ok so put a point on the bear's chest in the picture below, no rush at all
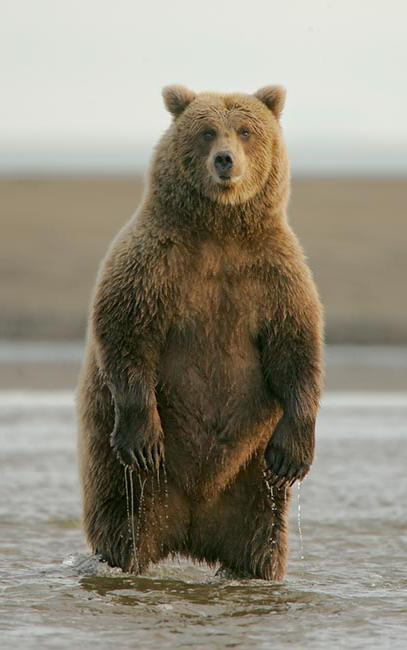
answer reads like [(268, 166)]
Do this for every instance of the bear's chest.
[(221, 289)]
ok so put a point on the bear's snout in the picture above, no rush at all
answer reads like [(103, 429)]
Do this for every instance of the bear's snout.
[(223, 163)]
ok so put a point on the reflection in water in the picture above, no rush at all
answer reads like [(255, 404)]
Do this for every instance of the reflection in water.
[(348, 591), (171, 592)]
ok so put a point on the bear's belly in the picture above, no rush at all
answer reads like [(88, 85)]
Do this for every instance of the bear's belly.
[(213, 402)]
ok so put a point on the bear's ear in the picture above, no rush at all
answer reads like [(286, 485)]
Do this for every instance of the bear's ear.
[(273, 97), (177, 98)]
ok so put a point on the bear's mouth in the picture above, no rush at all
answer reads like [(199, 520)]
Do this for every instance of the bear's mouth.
[(225, 180)]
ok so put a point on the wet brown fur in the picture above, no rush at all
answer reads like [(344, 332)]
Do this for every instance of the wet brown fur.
[(204, 344)]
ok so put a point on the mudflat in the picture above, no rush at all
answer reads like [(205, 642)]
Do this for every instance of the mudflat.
[(54, 232)]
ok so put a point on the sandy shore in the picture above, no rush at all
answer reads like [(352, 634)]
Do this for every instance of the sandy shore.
[(55, 231)]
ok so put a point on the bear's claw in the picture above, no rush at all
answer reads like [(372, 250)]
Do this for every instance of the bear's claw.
[(282, 471), (146, 456)]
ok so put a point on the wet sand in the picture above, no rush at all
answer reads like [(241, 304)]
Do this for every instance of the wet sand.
[(55, 231)]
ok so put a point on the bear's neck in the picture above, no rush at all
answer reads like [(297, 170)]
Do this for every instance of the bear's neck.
[(172, 203)]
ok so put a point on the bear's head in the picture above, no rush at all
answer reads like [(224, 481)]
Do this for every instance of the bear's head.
[(225, 147)]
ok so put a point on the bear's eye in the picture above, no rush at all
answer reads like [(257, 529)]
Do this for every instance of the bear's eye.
[(244, 133), (208, 135)]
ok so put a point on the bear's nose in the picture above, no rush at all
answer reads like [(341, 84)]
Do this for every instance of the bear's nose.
[(223, 162)]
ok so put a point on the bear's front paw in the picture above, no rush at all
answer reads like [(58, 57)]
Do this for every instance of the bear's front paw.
[(289, 455), (283, 469), (139, 452), (138, 445)]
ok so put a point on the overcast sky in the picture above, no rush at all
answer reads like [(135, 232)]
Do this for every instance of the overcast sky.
[(81, 79)]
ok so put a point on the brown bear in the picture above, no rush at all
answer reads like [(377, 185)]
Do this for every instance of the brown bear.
[(200, 387)]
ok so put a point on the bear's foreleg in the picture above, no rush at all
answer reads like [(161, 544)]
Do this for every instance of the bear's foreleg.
[(291, 353)]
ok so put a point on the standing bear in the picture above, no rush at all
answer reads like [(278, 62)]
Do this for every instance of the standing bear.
[(201, 381)]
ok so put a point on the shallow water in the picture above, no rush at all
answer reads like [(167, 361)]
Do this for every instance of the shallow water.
[(350, 590)]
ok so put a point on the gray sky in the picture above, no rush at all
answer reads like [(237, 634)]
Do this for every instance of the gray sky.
[(81, 79)]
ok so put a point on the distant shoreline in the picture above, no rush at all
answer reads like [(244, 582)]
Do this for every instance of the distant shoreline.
[(55, 232)]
